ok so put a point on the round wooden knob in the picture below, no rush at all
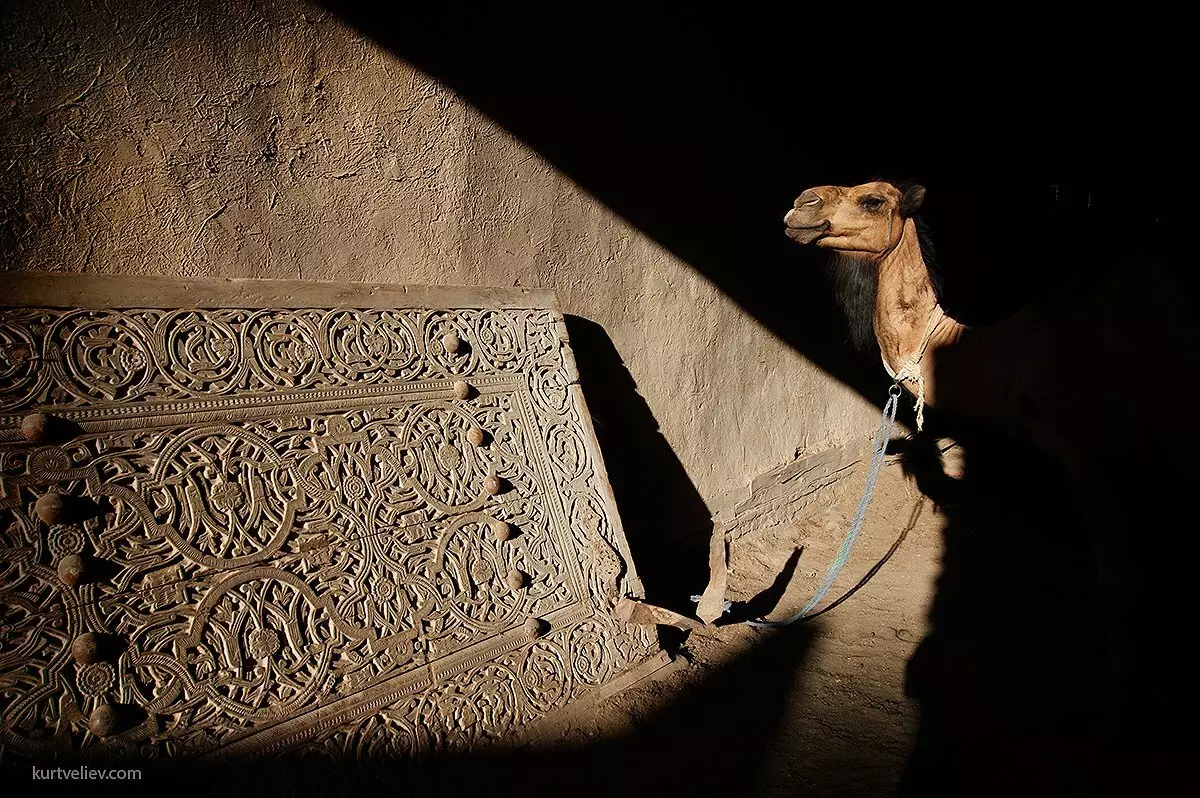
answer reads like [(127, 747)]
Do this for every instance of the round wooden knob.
[(451, 343), (85, 648), (52, 508), (516, 579), (493, 484), (103, 720), (501, 530), (476, 436), (461, 389), (71, 569), (36, 427), (534, 628)]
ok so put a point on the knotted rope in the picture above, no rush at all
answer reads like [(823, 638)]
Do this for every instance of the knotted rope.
[(910, 369)]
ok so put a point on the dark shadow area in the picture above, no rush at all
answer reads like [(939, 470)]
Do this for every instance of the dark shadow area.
[(920, 459), (709, 742), (1010, 679), (1053, 665), (666, 522)]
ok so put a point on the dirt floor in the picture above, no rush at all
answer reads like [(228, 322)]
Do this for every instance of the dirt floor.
[(822, 709)]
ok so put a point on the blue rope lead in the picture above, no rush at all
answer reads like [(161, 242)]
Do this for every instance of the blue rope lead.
[(882, 436)]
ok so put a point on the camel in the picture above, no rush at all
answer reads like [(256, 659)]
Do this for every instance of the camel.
[(889, 293), (1099, 378), (1036, 373)]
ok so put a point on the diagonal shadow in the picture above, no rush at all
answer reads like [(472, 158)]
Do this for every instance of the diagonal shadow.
[(700, 127), (666, 521)]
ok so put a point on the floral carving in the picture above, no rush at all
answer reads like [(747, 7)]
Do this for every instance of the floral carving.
[(96, 679)]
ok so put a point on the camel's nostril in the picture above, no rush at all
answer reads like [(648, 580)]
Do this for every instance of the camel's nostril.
[(809, 199)]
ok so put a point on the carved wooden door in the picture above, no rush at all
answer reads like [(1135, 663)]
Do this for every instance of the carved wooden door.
[(260, 517)]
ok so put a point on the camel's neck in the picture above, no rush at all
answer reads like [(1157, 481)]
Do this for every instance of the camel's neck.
[(906, 306)]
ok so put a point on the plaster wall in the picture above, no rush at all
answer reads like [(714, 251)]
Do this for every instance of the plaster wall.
[(268, 139)]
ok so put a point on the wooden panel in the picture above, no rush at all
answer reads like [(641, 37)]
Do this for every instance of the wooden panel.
[(336, 527)]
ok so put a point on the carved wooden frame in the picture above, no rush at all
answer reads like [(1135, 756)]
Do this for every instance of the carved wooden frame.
[(327, 518)]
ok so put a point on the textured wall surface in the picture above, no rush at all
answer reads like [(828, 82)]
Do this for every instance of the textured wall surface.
[(268, 139)]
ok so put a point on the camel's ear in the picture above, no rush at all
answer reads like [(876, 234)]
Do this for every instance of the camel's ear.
[(910, 203)]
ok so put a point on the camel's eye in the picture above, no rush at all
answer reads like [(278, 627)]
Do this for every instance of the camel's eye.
[(871, 203)]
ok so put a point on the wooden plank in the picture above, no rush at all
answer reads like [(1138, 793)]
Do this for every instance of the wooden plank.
[(53, 290)]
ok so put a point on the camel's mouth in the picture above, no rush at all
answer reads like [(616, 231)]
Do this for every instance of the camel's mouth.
[(806, 234)]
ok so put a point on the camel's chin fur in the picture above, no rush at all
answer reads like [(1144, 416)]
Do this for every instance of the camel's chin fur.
[(855, 279)]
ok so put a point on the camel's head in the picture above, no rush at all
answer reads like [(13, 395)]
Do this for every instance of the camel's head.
[(859, 226), (867, 219)]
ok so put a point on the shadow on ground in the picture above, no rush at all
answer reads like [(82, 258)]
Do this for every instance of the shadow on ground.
[(1010, 678)]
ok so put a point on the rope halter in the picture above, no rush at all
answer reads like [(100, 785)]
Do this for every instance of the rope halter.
[(910, 368)]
